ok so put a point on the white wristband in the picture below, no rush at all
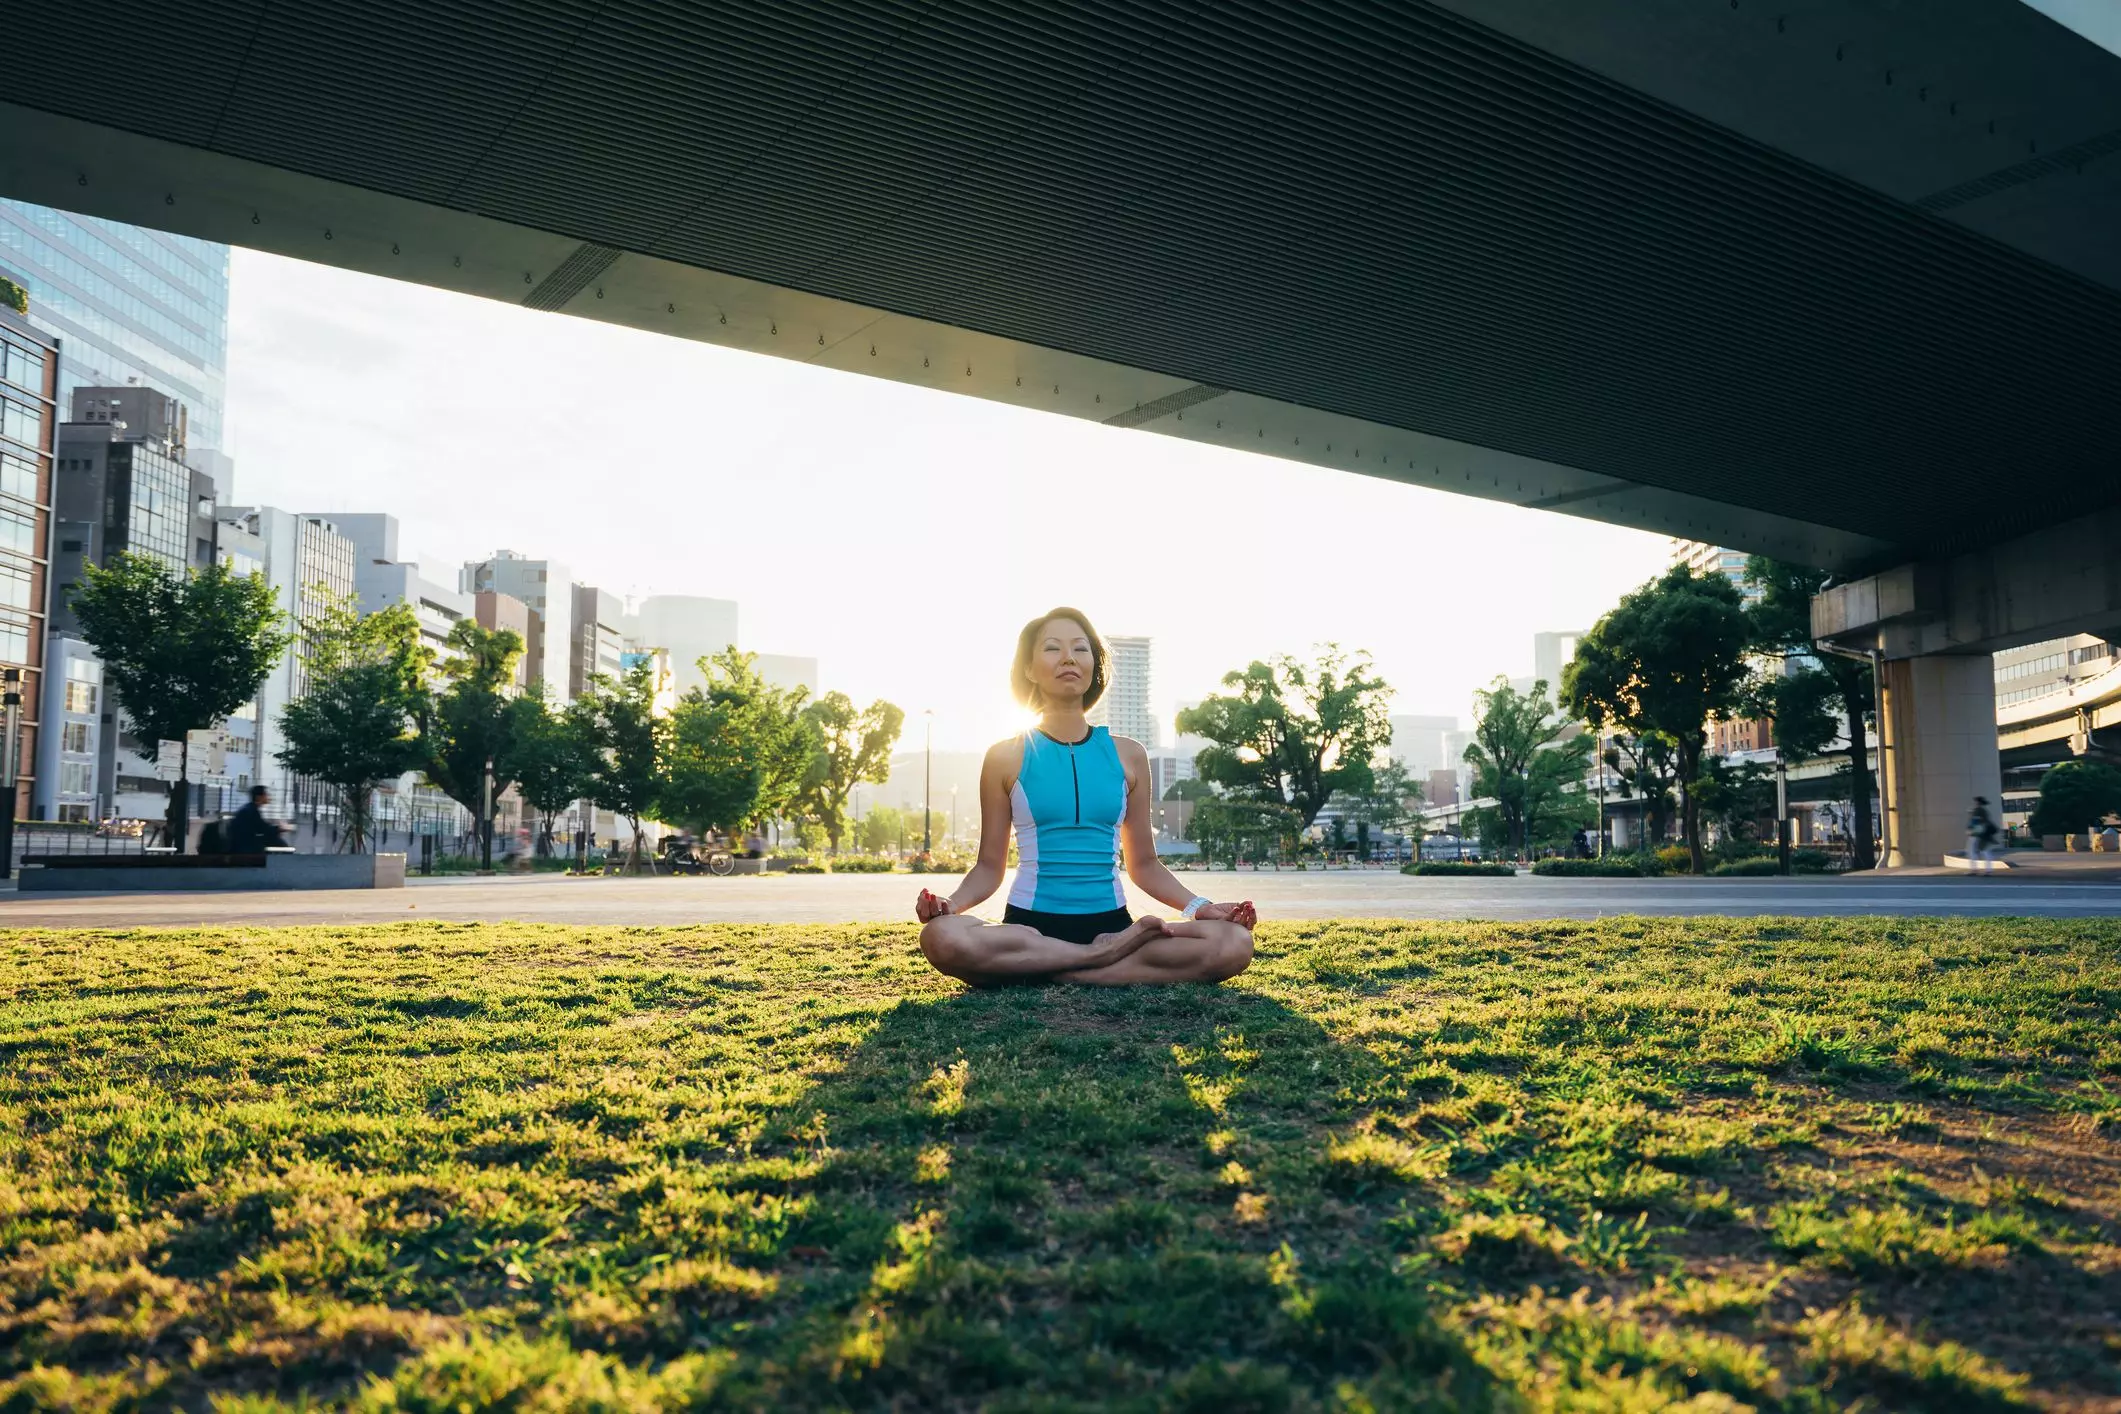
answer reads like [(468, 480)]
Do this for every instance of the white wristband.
[(1196, 905)]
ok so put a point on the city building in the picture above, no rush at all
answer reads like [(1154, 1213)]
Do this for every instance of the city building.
[(547, 590), (311, 566), (599, 637), (495, 611), (130, 305), (29, 424), (1166, 769), (381, 579), (1125, 706), (1418, 743), (120, 484), (1551, 654), (687, 627), (1706, 559), (2048, 666), (785, 671)]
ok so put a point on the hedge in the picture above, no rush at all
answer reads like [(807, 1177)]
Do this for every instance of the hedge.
[(1624, 866), (862, 864), (1462, 868)]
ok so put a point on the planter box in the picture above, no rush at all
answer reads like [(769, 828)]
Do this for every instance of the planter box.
[(210, 873)]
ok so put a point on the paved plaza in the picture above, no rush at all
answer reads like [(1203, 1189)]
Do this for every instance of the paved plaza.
[(852, 898)]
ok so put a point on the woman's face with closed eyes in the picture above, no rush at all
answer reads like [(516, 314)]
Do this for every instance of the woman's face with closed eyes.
[(1062, 662)]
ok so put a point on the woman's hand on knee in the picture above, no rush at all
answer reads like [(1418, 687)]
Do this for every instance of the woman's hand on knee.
[(928, 906)]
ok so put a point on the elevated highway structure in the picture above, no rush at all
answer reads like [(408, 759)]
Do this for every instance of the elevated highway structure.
[(1829, 279)]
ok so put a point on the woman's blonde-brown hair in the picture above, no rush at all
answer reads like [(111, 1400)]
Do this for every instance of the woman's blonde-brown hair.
[(1027, 643)]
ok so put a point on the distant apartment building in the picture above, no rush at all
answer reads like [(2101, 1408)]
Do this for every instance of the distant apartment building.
[(599, 637), (1705, 559), (1418, 743), (785, 671), (311, 566), (381, 580), (495, 611), (1166, 769), (2049, 666), (121, 484), (686, 626), (29, 424), (1125, 706), (547, 590), (130, 305)]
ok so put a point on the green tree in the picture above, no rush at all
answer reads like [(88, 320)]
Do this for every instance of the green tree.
[(356, 726), (1526, 761), (1391, 806), (1239, 829), (630, 743), (552, 757), (710, 776), (1293, 733), (1666, 660), (853, 747), (470, 722), (1821, 694), (1734, 796), (880, 831), (180, 652), (2076, 796), (770, 728), (1191, 788), (1644, 766)]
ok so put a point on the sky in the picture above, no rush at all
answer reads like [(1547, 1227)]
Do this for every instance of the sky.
[(899, 535)]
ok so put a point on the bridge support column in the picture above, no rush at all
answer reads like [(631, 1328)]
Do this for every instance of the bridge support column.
[(1938, 741)]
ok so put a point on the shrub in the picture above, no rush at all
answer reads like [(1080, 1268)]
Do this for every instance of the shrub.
[(806, 869), (1811, 861), (1673, 859), (13, 296), (1615, 866), (2076, 796), (1464, 868), (1752, 868), (863, 864)]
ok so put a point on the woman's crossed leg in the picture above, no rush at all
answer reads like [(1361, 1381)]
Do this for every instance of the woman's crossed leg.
[(1148, 951)]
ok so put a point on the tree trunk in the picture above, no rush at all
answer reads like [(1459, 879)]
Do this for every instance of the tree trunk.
[(1861, 854), (1689, 812)]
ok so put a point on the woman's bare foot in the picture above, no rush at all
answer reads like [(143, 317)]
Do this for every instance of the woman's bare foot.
[(1111, 947)]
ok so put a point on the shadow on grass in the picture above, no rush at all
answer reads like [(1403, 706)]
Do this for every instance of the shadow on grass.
[(1071, 1196)]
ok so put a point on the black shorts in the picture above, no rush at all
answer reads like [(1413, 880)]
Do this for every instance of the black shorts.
[(1081, 928)]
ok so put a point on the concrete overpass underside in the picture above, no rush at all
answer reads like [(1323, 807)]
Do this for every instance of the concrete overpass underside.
[(1833, 280)]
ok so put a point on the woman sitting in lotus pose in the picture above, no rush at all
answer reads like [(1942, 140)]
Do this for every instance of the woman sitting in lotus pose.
[(1074, 794)]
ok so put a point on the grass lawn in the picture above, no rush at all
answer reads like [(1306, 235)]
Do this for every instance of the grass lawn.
[(1634, 1164)]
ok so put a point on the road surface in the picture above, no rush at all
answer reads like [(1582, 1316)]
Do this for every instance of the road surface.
[(846, 898)]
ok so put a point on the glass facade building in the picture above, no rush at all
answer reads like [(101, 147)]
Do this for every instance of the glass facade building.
[(130, 305)]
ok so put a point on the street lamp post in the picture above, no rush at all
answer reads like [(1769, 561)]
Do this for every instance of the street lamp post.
[(1601, 795), (1782, 810), (927, 781), (8, 767), (486, 821)]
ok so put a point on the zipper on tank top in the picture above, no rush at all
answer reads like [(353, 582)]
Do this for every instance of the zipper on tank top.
[(1074, 776)]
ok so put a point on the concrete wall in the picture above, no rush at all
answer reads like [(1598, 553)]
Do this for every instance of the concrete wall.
[(281, 871)]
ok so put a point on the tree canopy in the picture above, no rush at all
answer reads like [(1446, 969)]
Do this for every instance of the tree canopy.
[(1818, 694), (2076, 796), (1669, 657), (630, 742), (852, 747), (471, 720), (1293, 733), (356, 726), (552, 754), (1526, 761), (180, 652)]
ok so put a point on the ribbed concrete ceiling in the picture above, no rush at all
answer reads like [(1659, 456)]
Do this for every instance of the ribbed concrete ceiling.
[(1342, 222)]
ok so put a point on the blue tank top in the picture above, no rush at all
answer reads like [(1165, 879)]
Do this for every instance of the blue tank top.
[(1066, 806)]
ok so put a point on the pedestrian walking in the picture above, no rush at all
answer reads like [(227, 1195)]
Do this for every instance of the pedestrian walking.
[(1981, 834)]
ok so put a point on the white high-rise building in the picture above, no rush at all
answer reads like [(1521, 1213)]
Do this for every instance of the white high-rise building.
[(688, 628), (1125, 706), (1418, 743)]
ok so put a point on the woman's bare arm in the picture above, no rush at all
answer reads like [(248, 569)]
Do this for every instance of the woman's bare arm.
[(997, 774), (1137, 832)]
